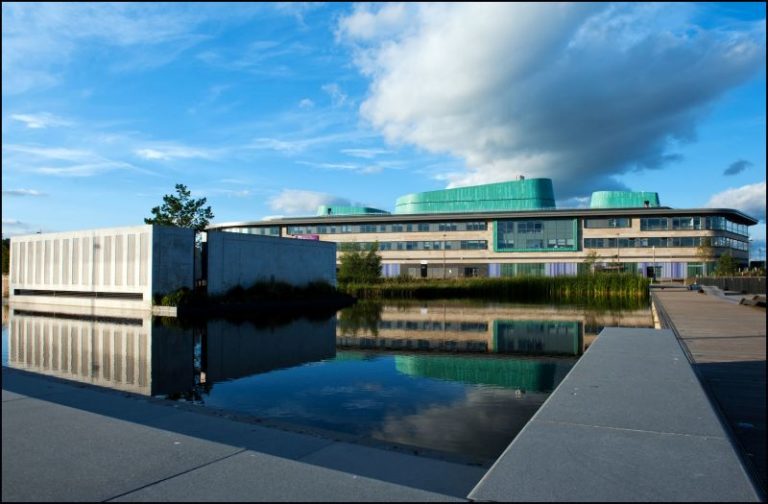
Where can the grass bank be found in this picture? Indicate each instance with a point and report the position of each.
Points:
(583, 289)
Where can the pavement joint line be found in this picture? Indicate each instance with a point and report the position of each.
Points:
(243, 450)
(16, 399)
(720, 337)
(331, 442)
(703, 436)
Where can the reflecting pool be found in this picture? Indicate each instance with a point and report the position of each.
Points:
(440, 377)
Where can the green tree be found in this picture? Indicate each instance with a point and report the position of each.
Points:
(358, 266)
(705, 253)
(181, 211)
(726, 265)
(589, 262)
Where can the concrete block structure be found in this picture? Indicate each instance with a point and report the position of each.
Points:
(243, 259)
(107, 268)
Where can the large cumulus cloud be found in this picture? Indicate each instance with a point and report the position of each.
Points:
(576, 92)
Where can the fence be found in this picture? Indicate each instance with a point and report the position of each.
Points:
(749, 285)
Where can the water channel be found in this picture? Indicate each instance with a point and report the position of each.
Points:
(445, 378)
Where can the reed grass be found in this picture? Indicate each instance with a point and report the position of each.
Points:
(582, 289)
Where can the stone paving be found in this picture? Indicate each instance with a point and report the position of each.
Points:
(63, 441)
(726, 342)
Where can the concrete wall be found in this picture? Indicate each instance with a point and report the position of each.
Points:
(243, 259)
(750, 285)
(104, 268)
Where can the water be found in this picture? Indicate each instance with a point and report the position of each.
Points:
(448, 378)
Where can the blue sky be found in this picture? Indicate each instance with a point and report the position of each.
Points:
(272, 109)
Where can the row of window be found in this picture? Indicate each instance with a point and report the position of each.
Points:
(416, 227)
(268, 230)
(428, 325)
(510, 227)
(693, 223)
(666, 242)
(418, 245)
(622, 222)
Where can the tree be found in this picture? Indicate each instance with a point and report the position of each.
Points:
(181, 211)
(589, 261)
(705, 253)
(726, 265)
(360, 267)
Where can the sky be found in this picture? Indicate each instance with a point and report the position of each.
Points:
(273, 109)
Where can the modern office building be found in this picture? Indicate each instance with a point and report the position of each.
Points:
(513, 228)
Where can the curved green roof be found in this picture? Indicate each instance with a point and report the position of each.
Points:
(348, 210)
(526, 194)
(623, 199)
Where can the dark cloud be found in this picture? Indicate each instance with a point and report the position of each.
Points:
(737, 167)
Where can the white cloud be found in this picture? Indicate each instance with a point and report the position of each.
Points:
(41, 120)
(306, 103)
(338, 97)
(167, 152)
(576, 92)
(61, 162)
(750, 199)
(295, 201)
(13, 227)
(365, 153)
(39, 40)
(22, 192)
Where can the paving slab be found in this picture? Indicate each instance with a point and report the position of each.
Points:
(403, 469)
(246, 435)
(630, 422)
(726, 343)
(257, 477)
(651, 391)
(76, 442)
(57, 453)
(572, 463)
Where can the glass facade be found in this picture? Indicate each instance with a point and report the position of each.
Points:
(418, 245)
(619, 222)
(695, 223)
(664, 242)
(535, 235)
(523, 269)
(261, 230)
(409, 227)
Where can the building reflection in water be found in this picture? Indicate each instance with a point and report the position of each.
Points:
(158, 356)
(458, 327)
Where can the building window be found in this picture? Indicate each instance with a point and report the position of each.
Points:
(528, 236)
(607, 223)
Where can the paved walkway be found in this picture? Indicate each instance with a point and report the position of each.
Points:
(726, 342)
(72, 442)
(630, 422)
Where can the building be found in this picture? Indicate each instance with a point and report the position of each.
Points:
(110, 268)
(513, 228)
(128, 267)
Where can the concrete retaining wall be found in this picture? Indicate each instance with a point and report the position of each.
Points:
(750, 285)
(242, 259)
(104, 268)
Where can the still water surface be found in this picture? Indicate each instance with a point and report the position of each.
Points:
(451, 377)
